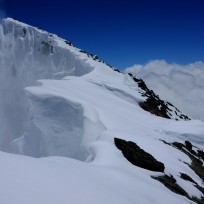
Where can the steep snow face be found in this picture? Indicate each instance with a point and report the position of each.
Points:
(26, 55)
(55, 129)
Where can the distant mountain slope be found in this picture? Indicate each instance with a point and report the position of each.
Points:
(180, 84)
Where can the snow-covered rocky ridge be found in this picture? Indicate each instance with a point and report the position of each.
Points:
(66, 107)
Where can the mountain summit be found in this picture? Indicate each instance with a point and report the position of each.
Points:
(77, 130)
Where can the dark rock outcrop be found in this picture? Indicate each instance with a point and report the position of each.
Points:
(187, 178)
(116, 70)
(170, 183)
(196, 164)
(201, 154)
(188, 145)
(137, 156)
(196, 157)
(155, 105)
(47, 48)
(94, 57)
(68, 43)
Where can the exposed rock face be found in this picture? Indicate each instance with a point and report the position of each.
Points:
(188, 145)
(201, 154)
(187, 178)
(196, 165)
(137, 156)
(92, 56)
(155, 105)
(170, 183)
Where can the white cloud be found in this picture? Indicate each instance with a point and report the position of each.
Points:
(182, 85)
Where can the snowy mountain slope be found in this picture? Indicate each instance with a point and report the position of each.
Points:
(57, 100)
(179, 84)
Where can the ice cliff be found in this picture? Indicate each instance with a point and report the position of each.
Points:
(28, 54)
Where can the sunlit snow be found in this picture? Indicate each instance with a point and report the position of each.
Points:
(60, 110)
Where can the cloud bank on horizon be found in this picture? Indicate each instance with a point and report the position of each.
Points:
(182, 85)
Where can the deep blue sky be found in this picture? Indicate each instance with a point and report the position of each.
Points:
(122, 33)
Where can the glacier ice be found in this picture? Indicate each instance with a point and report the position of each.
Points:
(28, 54)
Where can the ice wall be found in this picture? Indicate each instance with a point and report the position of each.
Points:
(26, 55)
(55, 128)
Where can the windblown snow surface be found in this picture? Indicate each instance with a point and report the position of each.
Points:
(60, 110)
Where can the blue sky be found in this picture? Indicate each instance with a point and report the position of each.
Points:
(122, 33)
